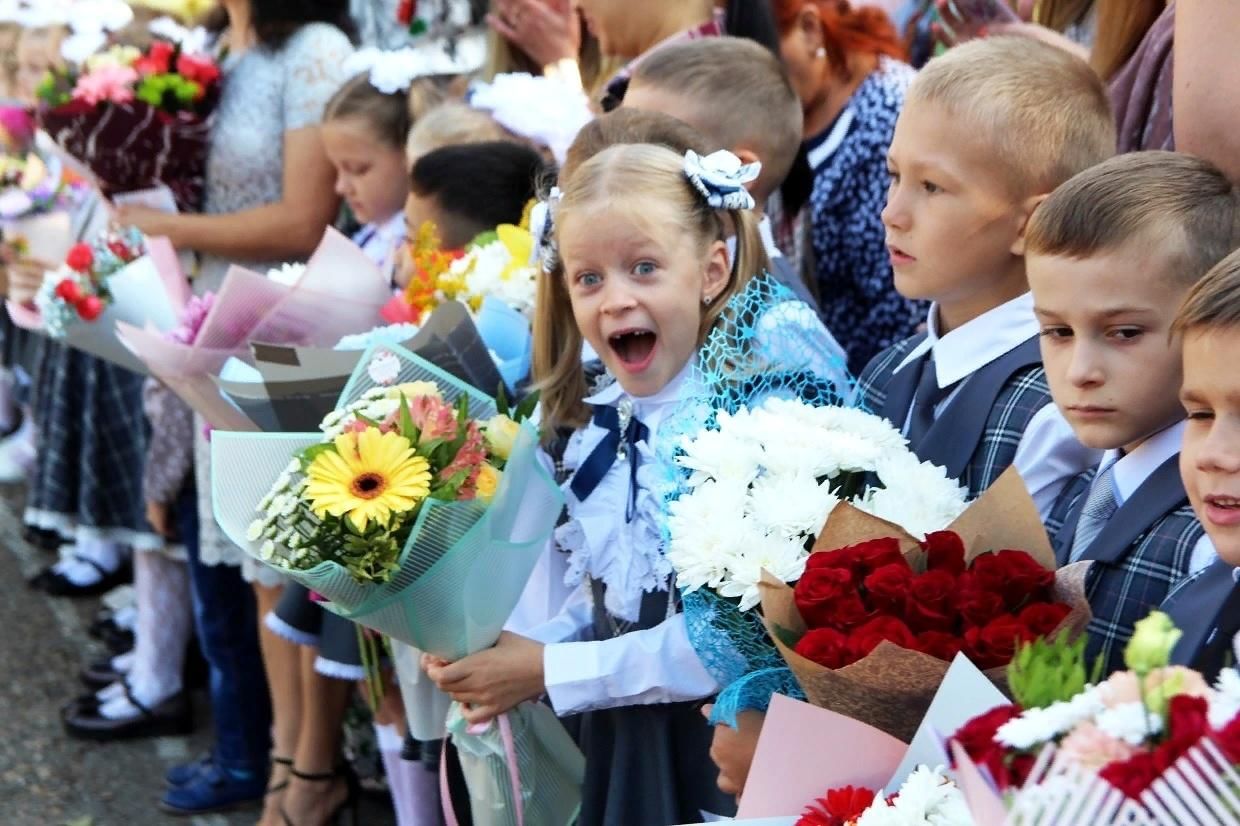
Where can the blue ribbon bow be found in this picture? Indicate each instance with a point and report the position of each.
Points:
(624, 431)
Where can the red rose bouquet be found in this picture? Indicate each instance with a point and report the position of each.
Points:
(871, 626)
(136, 119)
(1143, 746)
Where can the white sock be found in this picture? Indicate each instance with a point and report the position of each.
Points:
(110, 692)
(106, 555)
(161, 586)
(415, 791)
(123, 663)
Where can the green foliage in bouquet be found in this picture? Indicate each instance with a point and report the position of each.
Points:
(1048, 671)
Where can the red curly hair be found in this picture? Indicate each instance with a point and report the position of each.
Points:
(845, 30)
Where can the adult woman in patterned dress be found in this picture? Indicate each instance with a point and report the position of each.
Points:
(846, 65)
(269, 198)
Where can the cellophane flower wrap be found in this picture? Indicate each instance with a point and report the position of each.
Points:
(78, 290)
(416, 511)
(870, 629)
(307, 305)
(31, 185)
(758, 462)
(137, 119)
(1152, 744)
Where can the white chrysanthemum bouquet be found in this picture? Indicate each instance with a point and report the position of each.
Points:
(762, 483)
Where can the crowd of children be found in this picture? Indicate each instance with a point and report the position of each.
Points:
(1007, 290)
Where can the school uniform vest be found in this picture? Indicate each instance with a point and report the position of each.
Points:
(1204, 609)
(1142, 553)
(976, 435)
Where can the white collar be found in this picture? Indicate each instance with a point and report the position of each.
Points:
(1132, 469)
(768, 240)
(649, 409)
(971, 346)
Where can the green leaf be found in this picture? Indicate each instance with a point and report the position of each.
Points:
(407, 428)
(501, 399)
(311, 453)
(526, 408)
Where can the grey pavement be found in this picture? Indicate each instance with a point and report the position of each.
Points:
(47, 779)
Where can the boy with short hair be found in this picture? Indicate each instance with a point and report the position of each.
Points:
(988, 130)
(1111, 255)
(1207, 607)
(737, 94)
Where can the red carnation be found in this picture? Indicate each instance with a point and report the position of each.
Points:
(68, 291)
(930, 604)
(939, 645)
(1042, 618)
(825, 646)
(887, 587)
(976, 604)
(1187, 723)
(817, 590)
(1134, 775)
(995, 643)
(89, 307)
(1015, 575)
(866, 637)
(81, 257)
(1228, 739)
(839, 807)
(944, 551)
(977, 737)
(157, 60)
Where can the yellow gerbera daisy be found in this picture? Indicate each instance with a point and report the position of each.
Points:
(370, 475)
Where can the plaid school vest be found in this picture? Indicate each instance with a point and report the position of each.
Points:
(975, 437)
(1140, 556)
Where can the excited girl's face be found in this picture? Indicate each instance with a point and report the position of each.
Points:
(371, 176)
(638, 284)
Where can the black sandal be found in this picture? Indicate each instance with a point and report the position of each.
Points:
(350, 801)
(283, 784)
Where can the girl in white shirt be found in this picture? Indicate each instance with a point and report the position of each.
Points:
(644, 275)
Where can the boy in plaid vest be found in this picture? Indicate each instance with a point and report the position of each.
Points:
(1207, 607)
(988, 130)
(1111, 255)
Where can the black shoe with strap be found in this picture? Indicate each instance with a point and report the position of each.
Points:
(58, 585)
(349, 803)
(171, 717)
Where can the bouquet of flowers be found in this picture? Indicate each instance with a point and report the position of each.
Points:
(114, 280)
(137, 119)
(1148, 745)
(495, 277)
(316, 309)
(34, 198)
(870, 627)
(928, 798)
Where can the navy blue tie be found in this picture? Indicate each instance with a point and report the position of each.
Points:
(624, 431)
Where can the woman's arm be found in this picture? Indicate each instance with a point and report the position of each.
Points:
(1205, 97)
(290, 228)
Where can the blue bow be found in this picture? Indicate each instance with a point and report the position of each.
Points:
(624, 431)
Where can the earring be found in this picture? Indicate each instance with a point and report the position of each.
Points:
(821, 52)
(706, 300)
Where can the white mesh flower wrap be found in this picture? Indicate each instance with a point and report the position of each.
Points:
(720, 177)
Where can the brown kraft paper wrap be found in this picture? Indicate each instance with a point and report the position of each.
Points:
(892, 687)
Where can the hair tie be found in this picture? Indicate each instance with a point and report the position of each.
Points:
(720, 179)
(545, 252)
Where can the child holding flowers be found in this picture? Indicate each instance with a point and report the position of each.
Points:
(641, 273)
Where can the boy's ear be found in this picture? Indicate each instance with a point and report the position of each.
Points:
(718, 271)
(1027, 209)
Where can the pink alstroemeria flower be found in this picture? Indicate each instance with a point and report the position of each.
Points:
(107, 84)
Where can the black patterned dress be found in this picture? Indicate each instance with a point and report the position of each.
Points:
(852, 267)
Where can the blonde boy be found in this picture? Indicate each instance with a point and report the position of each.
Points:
(1111, 255)
(987, 132)
(1207, 607)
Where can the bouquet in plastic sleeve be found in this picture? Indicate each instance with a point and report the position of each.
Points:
(869, 629)
(116, 280)
(457, 510)
(1153, 744)
(495, 277)
(35, 196)
(338, 292)
(796, 769)
(136, 119)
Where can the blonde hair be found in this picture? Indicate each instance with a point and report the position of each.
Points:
(628, 176)
(762, 112)
(448, 124)
(1045, 111)
(595, 69)
(1169, 202)
(1214, 302)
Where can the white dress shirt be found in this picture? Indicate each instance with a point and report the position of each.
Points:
(381, 241)
(1132, 469)
(1048, 454)
(656, 665)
